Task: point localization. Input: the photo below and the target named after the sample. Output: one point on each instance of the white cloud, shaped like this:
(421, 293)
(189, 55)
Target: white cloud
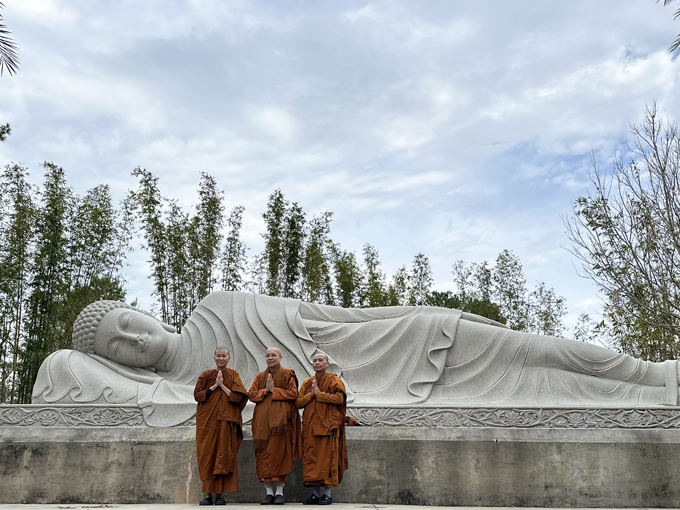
(449, 128)
(274, 122)
(44, 12)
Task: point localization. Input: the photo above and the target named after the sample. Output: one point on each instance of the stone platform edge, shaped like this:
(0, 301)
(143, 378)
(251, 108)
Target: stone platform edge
(473, 466)
(661, 417)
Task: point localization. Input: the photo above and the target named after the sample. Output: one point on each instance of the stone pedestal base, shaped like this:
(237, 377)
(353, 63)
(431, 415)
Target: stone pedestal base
(395, 465)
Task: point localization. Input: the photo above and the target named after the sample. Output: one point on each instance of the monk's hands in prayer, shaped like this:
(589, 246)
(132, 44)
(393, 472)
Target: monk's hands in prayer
(220, 383)
(270, 383)
(315, 388)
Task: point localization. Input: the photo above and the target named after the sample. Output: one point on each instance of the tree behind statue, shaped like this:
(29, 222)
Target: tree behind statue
(626, 232)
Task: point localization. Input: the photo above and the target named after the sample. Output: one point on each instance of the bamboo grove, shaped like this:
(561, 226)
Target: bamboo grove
(60, 251)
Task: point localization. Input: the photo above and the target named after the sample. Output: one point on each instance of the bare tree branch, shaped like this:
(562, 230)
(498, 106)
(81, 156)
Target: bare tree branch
(626, 232)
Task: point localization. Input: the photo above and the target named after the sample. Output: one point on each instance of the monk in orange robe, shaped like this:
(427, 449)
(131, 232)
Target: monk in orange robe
(221, 397)
(324, 446)
(276, 426)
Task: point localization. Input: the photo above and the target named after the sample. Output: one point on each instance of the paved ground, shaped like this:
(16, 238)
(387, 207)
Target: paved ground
(336, 506)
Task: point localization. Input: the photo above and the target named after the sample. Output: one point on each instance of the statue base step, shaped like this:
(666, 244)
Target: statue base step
(466, 466)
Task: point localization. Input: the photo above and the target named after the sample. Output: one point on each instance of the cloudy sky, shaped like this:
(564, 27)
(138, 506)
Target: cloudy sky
(456, 129)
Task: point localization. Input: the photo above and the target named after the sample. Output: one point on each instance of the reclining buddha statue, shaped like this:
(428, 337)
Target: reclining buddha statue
(400, 356)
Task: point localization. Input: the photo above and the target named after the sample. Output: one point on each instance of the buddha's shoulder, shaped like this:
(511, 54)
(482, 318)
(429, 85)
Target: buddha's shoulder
(71, 357)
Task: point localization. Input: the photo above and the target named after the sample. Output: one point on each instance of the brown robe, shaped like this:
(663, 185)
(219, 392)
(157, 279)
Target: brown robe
(324, 445)
(218, 430)
(276, 425)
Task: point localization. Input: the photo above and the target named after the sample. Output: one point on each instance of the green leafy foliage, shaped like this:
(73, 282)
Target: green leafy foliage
(374, 291)
(399, 289)
(294, 235)
(146, 205)
(184, 250)
(233, 262)
(626, 232)
(317, 284)
(448, 299)
(17, 221)
(58, 252)
(420, 280)
(499, 292)
(348, 279)
(207, 225)
(273, 256)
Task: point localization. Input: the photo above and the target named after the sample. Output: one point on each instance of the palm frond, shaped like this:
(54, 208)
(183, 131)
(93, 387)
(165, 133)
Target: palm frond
(675, 45)
(8, 50)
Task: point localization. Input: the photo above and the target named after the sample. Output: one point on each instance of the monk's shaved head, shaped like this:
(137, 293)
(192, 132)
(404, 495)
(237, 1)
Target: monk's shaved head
(320, 362)
(273, 358)
(276, 350)
(321, 354)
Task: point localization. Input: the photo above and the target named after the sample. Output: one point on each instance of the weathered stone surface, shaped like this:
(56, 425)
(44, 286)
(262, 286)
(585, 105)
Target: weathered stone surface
(391, 465)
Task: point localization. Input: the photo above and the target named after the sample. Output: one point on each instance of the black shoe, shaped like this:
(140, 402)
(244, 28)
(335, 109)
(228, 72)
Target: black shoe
(220, 501)
(311, 500)
(279, 499)
(269, 500)
(325, 500)
(206, 500)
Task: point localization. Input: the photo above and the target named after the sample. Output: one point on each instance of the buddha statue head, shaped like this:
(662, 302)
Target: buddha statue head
(121, 333)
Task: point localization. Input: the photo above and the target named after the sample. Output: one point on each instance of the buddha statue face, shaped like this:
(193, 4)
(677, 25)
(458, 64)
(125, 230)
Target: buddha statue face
(132, 338)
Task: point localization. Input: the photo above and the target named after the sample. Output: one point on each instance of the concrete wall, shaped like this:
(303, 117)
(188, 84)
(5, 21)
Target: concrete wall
(437, 466)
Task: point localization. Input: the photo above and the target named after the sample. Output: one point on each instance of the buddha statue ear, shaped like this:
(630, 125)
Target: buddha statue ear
(169, 328)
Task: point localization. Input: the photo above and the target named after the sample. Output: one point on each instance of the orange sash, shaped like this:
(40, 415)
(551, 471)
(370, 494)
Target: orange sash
(273, 417)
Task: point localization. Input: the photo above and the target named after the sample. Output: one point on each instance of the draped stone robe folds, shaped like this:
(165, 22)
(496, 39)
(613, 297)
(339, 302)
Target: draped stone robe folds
(276, 425)
(324, 446)
(393, 356)
(218, 430)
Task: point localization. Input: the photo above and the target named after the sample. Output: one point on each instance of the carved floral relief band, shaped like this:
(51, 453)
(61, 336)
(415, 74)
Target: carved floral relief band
(521, 418)
(423, 417)
(71, 416)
